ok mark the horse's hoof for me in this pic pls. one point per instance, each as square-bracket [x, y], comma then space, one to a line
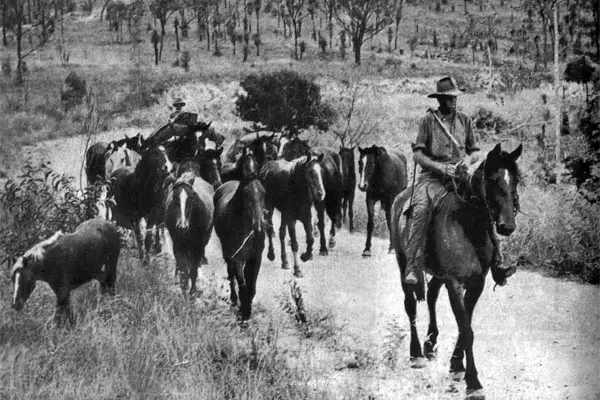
[244, 324]
[366, 253]
[306, 256]
[475, 394]
[418, 362]
[271, 256]
[457, 376]
[430, 350]
[284, 265]
[204, 261]
[298, 273]
[323, 252]
[332, 243]
[351, 229]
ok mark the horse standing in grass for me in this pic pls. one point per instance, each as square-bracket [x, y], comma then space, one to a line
[382, 175]
[239, 223]
[459, 253]
[292, 187]
[67, 261]
[189, 219]
[138, 193]
[332, 181]
[348, 184]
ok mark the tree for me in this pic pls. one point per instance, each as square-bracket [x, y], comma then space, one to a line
[22, 26]
[363, 19]
[543, 8]
[162, 10]
[283, 100]
[295, 11]
[397, 18]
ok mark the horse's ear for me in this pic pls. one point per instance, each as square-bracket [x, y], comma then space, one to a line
[320, 157]
[494, 154]
[272, 136]
[381, 151]
[516, 153]
[219, 151]
[361, 150]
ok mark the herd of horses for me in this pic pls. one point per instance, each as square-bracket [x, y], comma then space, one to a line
[183, 185]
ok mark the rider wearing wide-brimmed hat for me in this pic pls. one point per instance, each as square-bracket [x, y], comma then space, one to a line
[445, 137]
[178, 105]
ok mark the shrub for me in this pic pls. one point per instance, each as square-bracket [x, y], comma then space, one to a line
[38, 205]
[283, 100]
[73, 91]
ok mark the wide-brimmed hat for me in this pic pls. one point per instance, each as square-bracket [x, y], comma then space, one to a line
[178, 102]
[447, 86]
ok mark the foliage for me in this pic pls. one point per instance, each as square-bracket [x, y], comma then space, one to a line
[73, 91]
[485, 120]
[37, 205]
[585, 168]
[283, 100]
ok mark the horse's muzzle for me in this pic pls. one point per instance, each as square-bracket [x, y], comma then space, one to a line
[505, 229]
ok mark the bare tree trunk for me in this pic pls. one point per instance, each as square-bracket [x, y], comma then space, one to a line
[257, 34]
[557, 118]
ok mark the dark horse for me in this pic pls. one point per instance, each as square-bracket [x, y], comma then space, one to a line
[348, 184]
[67, 261]
[239, 223]
[205, 164]
[244, 166]
[189, 219]
[138, 193]
[332, 181]
[262, 145]
[97, 155]
[459, 253]
[292, 187]
[292, 147]
[382, 175]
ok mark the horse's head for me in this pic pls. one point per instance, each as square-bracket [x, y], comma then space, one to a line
[135, 143]
[501, 178]
[155, 165]
[314, 176]
[347, 157]
[264, 148]
[210, 165]
[368, 164]
[248, 165]
[182, 192]
[293, 148]
[253, 196]
[23, 273]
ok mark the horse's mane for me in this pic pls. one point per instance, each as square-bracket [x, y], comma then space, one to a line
[38, 251]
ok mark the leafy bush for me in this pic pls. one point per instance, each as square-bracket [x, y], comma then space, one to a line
[485, 119]
[38, 205]
[283, 100]
[73, 91]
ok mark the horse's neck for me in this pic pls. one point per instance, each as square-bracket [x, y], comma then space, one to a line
[298, 176]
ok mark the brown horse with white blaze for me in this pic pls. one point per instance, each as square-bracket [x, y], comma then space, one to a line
[459, 253]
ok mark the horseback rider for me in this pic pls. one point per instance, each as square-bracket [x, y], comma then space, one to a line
[445, 139]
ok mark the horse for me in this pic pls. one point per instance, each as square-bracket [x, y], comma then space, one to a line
[292, 147]
[205, 164]
[348, 184]
[119, 157]
[292, 187]
[67, 261]
[239, 223]
[189, 219]
[382, 176]
[243, 167]
[95, 162]
[459, 253]
[262, 145]
[332, 181]
[138, 193]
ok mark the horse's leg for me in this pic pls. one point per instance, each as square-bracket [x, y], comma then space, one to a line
[370, 225]
[108, 283]
[332, 242]
[387, 206]
[137, 234]
[351, 211]
[295, 247]
[465, 335]
[433, 290]
[410, 306]
[231, 277]
[242, 286]
[310, 239]
[284, 223]
[333, 209]
[269, 218]
[194, 263]
[344, 207]
[63, 307]
[321, 225]
[250, 274]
